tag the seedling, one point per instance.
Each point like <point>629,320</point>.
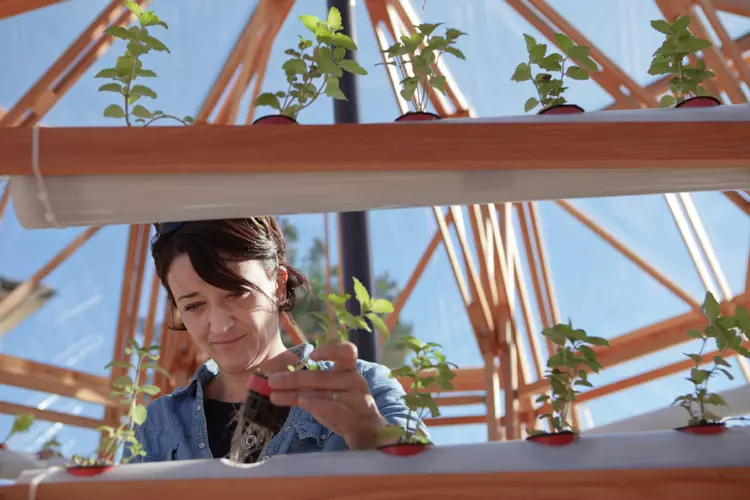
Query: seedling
<point>50,449</point>
<point>550,91</point>
<point>370,308</point>
<point>669,59</point>
<point>129,68</point>
<point>428,373</point>
<point>728,333</point>
<point>314,67</point>
<point>127,391</point>
<point>416,58</point>
<point>565,371</point>
<point>21,423</point>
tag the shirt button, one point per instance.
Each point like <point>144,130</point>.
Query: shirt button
<point>287,428</point>
<point>201,445</point>
<point>198,407</point>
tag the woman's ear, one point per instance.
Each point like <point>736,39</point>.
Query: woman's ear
<point>281,276</point>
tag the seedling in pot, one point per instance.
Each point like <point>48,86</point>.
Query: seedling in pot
<point>21,423</point>
<point>129,68</point>
<point>566,370</point>
<point>314,68</point>
<point>416,58</point>
<point>728,333</point>
<point>550,91</point>
<point>127,391</point>
<point>669,59</point>
<point>429,372</point>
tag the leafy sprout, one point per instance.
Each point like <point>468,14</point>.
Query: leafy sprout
<point>728,333</point>
<point>21,423</point>
<point>370,308</point>
<point>129,68</point>
<point>566,369</point>
<point>550,91</point>
<point>669,59</point>
<point>429,372</point>
<point>127,392</point>
<point>416,58</point>
<point>314,66</point>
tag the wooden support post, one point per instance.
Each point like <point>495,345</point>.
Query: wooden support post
<point>4,198</point>
<point>492,384</point>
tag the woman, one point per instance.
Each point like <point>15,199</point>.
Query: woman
<point>229,281</point>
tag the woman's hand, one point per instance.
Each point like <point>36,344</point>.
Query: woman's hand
<point>338,398</point>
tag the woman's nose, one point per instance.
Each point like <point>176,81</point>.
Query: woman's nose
<point>221,320</point>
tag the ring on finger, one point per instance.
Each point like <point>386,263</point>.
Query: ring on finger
<point>335,396</point>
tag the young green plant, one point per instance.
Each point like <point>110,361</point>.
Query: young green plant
<point>550,90</point>
<point>129,68</point>
<point>314,67</point>
<point>566,371</point>
<point>416,58</point>
<point>670,59</point>
<point>370,308</point>
<point>127,391</point>
<point>728,333</point>
<point>21,423</point>
<point>429,372</point>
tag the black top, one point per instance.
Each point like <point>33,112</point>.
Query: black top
<point>220,422</point>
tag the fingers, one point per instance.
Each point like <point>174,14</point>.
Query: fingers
<point>293,398</point>
<point>317,380</point>
<point>342,354</point>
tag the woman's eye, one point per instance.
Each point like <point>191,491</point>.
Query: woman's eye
<point>193,306</point>
<point>238,295</point>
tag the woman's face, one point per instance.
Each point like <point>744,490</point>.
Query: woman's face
<point>236,330</point>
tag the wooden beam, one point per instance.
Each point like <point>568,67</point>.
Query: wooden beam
<point>4,198</point>
<point>466,380</point>
<point>739,7</point>
<point>727,43</point>
<point>50,379</point>
<point>10,8</point>
<point>50,416</point>
<point>738,200</point>
<point>381,147</point>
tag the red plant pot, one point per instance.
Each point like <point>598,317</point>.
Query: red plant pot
<point>417,116</point>
<point>404,449</point>
<point>562,109</point>
<point>259,383</point>
<point>88,470</point>
<point>275,120</point>
<point>554,439</point>
<point>703,101</point>
<point>707,429</point>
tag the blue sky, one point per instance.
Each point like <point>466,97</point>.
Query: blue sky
<point>596,287</point>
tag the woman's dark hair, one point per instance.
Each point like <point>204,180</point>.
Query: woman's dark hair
<point>211,245</point>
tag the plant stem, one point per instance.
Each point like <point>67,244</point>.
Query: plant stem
<point>165,116</point>
<point>538,92</point>
<point>127,90</point>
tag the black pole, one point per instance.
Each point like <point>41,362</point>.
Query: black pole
<point>354,231</point>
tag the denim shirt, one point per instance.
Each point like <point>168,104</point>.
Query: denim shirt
<point>175,427</point>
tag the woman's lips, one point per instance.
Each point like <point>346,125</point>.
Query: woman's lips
<point>228,341</point>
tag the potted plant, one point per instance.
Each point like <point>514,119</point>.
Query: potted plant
<point>127,391</point>
<point>565,371</point>
<point>429,372</point>
<point>416,58</point>
<point>21,423</point>
<point>129,68</point>
<point>669,59</point>
<point>728,333</point>
<point>549,90</point>
<point>313,68</point>
<point>49,449</point>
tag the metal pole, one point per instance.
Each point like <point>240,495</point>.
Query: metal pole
<point>354,229</point>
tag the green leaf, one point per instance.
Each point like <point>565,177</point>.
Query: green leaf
<point>695,44</point>
<point>142,112</point>
<point>121,382</point>
<point>268,99</point>
<point>698,375</point>
<point>111,87</point>
<point>696,359</point>
<point>155,44</point>
<point>133,7</point>
<point>360,292</point>
<point>661,26</point>
<point>717,400</point>
<point>107,73</point>
<point>151,390</point>
<point>427,29</point>
<point>587,352</point>
<point>378,323</point>
<point>310,22</point>
<point>693,334</point>
<point>123,364</point>
<point>438,83</point>
<point>455,52</point>
<point>576,73</point>
<point>334,19</point>
<point>139,414</point>
<point>148,18</point>
<point>597,341</point>
<point>114,111</point>
<point>680,24</point>
<point>721,361</point>
<point>667,101</point>
<point>381,306</point>
<point>531,103</point>
<point>142,90</point>
<point>352,67</point>
<point>537,53</point>
<point>145,73</point>
<point>710,306</point>
<point>522,73</point>
<point>341,40</point>
<point>552,62</point>
<point>725,372</point>
<point>22,423</point>
<point>530,42</point>
<point>564,42</point>
<point>119,32</point>
<point>294,66</point>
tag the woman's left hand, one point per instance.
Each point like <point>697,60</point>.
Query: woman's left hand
<point>338,398</point>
